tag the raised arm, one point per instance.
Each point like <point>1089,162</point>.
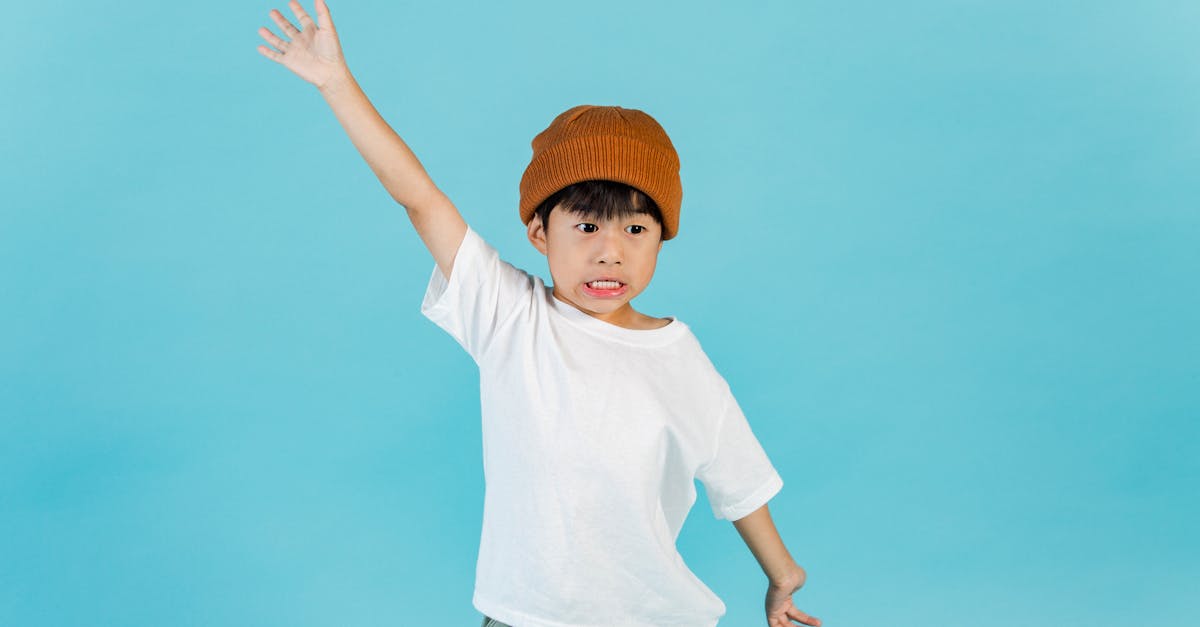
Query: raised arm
<point>784,575</point>
<point>314,53</point>
<point>436,219</point>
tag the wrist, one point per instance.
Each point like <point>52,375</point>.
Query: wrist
<point>790,579</point>
<point>337,81</point>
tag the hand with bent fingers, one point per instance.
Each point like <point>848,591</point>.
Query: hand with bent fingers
<point>314,52</point>
<point>780,611</point>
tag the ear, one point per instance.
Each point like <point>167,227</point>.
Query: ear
<point>537,234</point>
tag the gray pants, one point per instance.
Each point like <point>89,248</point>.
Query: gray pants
<point>491,622</point>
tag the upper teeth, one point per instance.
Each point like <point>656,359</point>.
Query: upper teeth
<point>605,285</point>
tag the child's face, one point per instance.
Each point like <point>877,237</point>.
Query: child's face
<point>580,250</point>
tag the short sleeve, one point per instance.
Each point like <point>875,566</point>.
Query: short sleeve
<point>483,291</point>
<point>739,478</point>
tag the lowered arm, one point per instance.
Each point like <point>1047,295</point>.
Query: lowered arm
<point>758,531</point>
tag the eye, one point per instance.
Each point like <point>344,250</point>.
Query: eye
<point>586,224</point>
<point>640,228</point>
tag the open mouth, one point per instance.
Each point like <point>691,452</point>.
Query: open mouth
<point>602,289</point>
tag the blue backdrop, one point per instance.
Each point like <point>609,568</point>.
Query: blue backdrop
<point>945,253</point>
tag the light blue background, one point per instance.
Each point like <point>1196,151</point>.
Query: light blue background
<point>945,253</point>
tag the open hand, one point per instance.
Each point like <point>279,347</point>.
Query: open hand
<point>314,52</point>
<point>780,611</point>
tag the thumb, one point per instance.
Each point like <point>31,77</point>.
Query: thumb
<point>324,19</point>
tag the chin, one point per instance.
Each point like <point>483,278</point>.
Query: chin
<point>600,304</point>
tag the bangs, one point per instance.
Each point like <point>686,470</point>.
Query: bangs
<point>601,201</point>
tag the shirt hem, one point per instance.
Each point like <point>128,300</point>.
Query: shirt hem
<point>518,619</point>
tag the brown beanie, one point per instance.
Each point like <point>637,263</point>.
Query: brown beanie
<point>589,142</point>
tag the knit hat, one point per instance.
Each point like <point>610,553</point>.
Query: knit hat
<point>610,143</point>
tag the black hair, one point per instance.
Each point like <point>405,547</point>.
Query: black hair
<point>601,200</point>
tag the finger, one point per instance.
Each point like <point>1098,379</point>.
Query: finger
<point>301,15</point>
<point>324,19</point>
<point>284,24</point>
<point>270,54</point>
<point>796,614</point>
<point>279,44</point>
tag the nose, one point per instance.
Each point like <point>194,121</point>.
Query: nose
<point>609,247</point>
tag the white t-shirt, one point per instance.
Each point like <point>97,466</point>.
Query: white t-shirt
<point>593,435</point>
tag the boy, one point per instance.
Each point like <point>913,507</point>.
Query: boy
<point>596,418</point>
